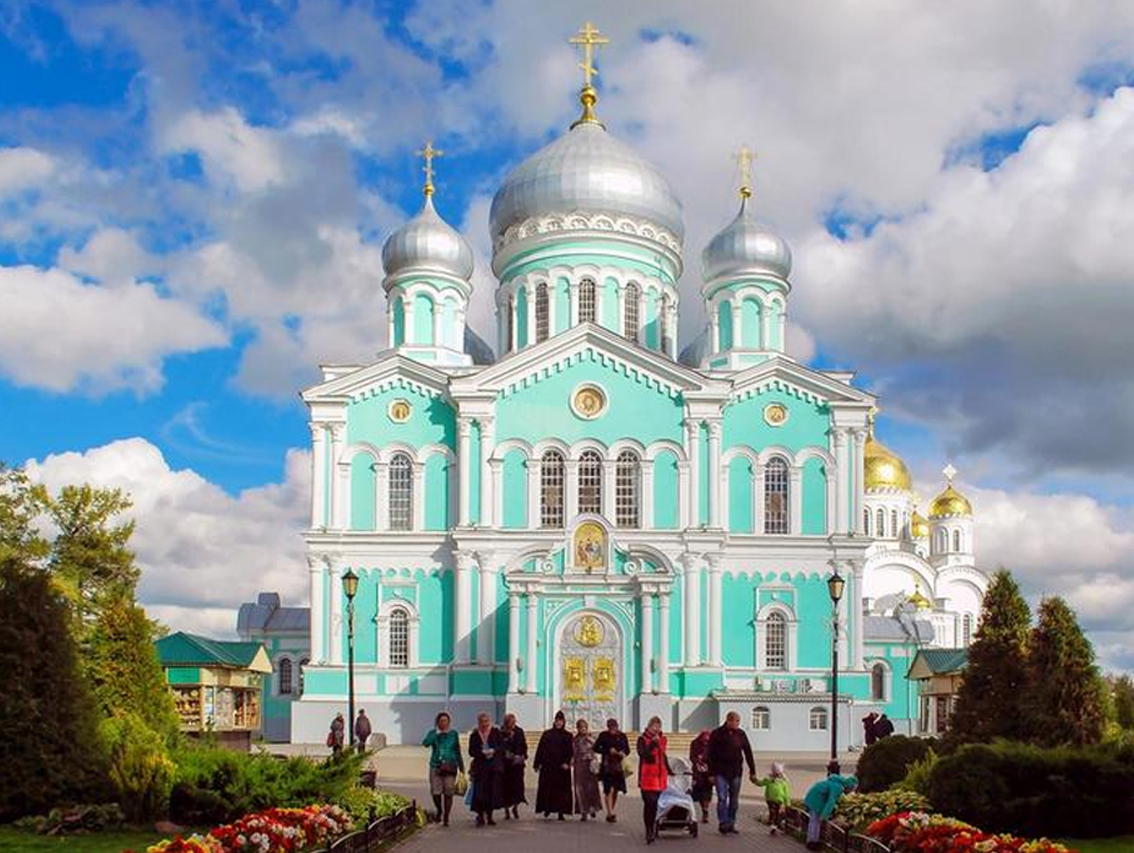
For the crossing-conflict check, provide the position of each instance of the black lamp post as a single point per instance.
(350, 587)
(835, 586)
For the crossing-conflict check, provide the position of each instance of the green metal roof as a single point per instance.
(182, 649)
(942, 661)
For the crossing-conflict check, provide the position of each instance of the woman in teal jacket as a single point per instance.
(822, 799)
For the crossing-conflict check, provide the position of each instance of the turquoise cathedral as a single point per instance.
(588, 521)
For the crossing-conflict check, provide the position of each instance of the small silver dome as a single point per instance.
(586, 169)
(427, 243)
(746, 245)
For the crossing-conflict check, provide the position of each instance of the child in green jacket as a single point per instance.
(777, 794)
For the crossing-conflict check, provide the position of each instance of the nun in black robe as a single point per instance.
(515, 757)
(486, 747)
(553, 763)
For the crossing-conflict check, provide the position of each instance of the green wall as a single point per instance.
(666, 483)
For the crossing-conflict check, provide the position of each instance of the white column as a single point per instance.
(663, 645)
(647, 640)
(765, 327)
(318, 473)
(714, 329)
(571, 484)
(781, 321)
(462, 608)
(381, 490)
(856, 480)
(497, 468)
(438, 313)
(336, 612)
(457, 333)
(340, 479)
(390, 323)
(532, 312)
(486, 629)
(408, 330)
(795, 495)
(693, 454)
(608, 486)
(419, 496)
(464, 463)
(487, 445)
(692, 599)
(646, 498)
(316, 567)
(531, 665)
(758, 497)
(714, 611)
(535, 469)
(513, 641)
(714, 473)
(684, 517)
(573, 289)
(856, 613)
(839, 482)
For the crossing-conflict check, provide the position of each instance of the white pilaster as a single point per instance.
(646, 498)
(684, 517)
(340, 478)
(464, 463)
(693, 454)
(513, 642)
(714, 473)
(795, 496)
(531, 663)
(496, 466)
(487, 446)
(840, 482)
(438, 313)
(571, 484)
(317, 567)
(714, 329)
(765, 328)
(318, 473)
(692, 599)
(608, 484)
(409, 330)
(462, 610)
(647, 641)
(336, 612)
(535, 469)
(714, 610)
(486, 629)
(574, 301)
(532, 312)
(663, 645)
(758, 508)
(857, 568)
(856, 480)
(382, 489)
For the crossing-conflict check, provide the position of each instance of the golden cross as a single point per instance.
(427, 154)
(588, 37)
(950, 472)
(744, 158)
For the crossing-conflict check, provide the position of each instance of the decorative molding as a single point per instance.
(587, 221)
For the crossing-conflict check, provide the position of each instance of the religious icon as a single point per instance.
(589, 631)
(604, 677)
(775, 414)
(590, 546)
(574, 679)
(588, 402)
(399, 411)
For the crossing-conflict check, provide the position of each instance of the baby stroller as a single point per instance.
(676, 809)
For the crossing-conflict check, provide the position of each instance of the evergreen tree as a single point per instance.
(50, 751)
(992, 700)
(1066, 695)
(1122, 699)
(21, 503)
(123, 667)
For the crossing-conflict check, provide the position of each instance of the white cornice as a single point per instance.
(782, 373)
(391, 369)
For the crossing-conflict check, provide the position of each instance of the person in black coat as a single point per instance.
(884, 727)
(486, 747)
(729, 750)
(553, 763)
(613, 748)
(515, 756)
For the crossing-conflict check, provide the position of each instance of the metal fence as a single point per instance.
(832, 836)
(377, 832)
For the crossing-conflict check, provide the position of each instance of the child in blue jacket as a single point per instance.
(822, 800)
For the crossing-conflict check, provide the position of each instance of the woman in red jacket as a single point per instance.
(653, 773)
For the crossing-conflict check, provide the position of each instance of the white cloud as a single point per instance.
(202, 552)
(23, 168)
(60, 334)
(232, 149)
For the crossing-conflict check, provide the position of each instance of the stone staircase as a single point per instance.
(677, 743)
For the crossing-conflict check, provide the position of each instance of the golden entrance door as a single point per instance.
(590, 671)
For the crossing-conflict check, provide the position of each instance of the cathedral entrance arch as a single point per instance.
(590, 681)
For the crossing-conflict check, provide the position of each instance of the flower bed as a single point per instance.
(858, 811)
(270, 831)
(919, 832)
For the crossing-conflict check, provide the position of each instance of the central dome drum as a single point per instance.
(585, 170)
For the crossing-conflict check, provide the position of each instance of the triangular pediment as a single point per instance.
(390, 369)
(781, 373)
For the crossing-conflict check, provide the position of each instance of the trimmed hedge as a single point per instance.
(886, 762)
(1028, 790)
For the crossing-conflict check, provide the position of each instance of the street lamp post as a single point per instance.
(835, 586)
(350, 588)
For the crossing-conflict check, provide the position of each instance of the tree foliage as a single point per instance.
(1122, 699)
(1066, 695)
(21, 505)
(50, 751)
(993, 697)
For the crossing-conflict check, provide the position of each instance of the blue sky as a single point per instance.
(193, 199)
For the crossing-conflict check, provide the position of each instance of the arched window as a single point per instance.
(942, 541)
(966, 629)
(817, 719)
(776, 495)
(866, 521)
(775, 641)
(956, 540)
(761, 718)
(586, 301)
(551, 489)
(627, 489)
(399, 638)
(590, 482)
(878, 682)
(663, 323)
(541, 318)
(631, 296)
(881, 524)
(286, 680)
(401, 492)
(508, 323)
(894, 532)
(302, 669)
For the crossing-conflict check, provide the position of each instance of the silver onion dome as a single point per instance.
(427, 243)
(587, 170)
(746, 245)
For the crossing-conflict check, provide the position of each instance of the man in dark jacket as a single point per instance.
(362, 730)
(884, 727)
(729, 749)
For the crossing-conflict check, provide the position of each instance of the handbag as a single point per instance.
(596, 766)
(627, 767)
(461, 786)
(447, 768)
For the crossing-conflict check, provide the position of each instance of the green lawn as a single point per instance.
(16, 841)
(1124, 844)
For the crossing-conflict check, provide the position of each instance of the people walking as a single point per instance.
(653, 773)
(729, 749)
(362, 730)
(821, 801)
(884, 727)
(445, 764)
(515, 746)
(553, 763)
(613, 747)
(777, 794)
(587, 767)
(486, 747)
(702, 792)
(870, 728)
(337, 735)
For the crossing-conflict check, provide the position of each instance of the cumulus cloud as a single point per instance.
(22, 168)
(201, 550)
(100, 339)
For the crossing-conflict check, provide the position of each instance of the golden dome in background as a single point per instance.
(884, 469)
(920, 601)
(919, 526)
(950, 503)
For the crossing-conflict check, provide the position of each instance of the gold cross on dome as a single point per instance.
(744, 158)
(588, 37)
(428, 153)
(950, 472)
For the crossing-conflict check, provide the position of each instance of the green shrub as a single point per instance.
(140, 766)
(888, 760)
(214, 785)
(860, 810)
(917, 777)
(1028, 790)
(361, 802)
(59, 821)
